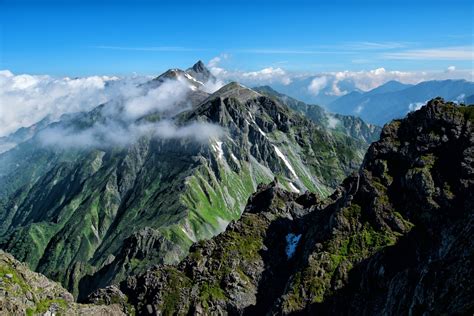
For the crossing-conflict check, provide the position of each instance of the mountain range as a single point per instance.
(97, 196)
(395, 237)
(394, 99)
(380, 105)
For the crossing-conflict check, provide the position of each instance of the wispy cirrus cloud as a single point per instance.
(441, 53)
(152, 48)
(285, 51)
(368, 45)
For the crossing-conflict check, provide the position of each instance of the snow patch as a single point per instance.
(292, 241)
(218, 148)
(189, 235)
(192, 78)
(233, 157)
(258, 127)
(251, 116)
(287, 163)
(96, 233)
(292, 187)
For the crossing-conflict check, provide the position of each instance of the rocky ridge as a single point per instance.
(394, 238)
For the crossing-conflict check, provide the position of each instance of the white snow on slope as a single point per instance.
(192, 78)
(218, 148)
(261, 132)
(188, 234)
(258, 127)
(233, 157)
(287, 163)
(292, 186)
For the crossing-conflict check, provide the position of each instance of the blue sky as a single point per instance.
(79, 38)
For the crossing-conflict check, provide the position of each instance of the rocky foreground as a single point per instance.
(23, 292)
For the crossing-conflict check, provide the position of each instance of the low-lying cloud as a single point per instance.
(115, 133)
(26, 99)
(318, 84)
(332, 121)
(169, 97)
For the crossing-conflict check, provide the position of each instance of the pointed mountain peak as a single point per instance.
(200, 72)
(199, 66)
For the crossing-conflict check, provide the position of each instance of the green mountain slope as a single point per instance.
(89, 216)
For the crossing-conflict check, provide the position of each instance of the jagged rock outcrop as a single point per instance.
(200, 72)
(23, 292)
(394, 238)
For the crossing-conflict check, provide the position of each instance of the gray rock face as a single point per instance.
(200, 72)
(394, 238)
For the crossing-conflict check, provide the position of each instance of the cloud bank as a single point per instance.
(26, 99)
(336, 83)
(116, 133)
(263, 76)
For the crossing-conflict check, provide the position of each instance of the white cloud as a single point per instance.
(318, 84)
(214, 62)
(451, 69)
(332, 121)
(269, 74)
(258, 77)
(212, 86)
(118, 133)
(460, 98)
(340, 82)
(26, 99)
(214, 65)
(415, 106)
(169, 97)
(367, 80)
(439, 53)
